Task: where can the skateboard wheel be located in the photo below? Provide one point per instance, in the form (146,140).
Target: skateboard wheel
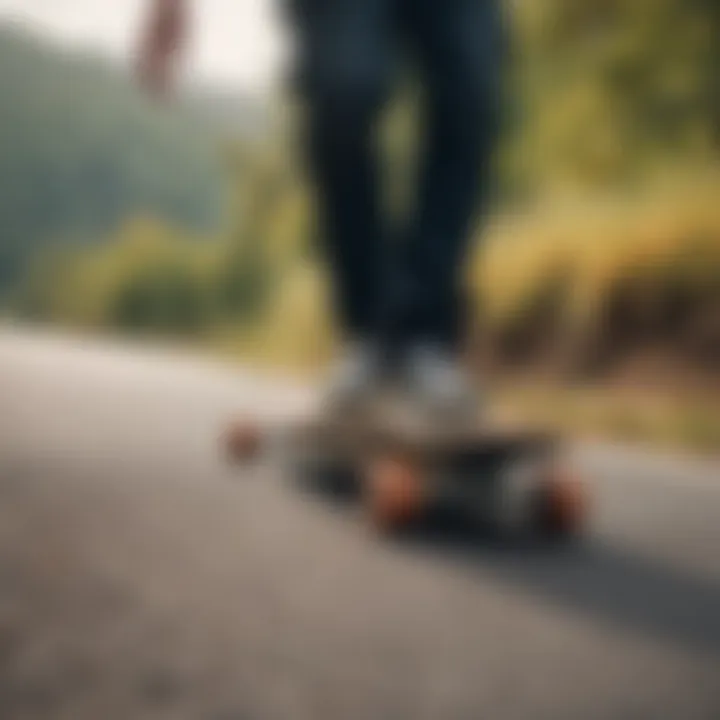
(394,494)
(243,441)
(563,505)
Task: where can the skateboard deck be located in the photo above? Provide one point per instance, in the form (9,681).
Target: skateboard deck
(508,476)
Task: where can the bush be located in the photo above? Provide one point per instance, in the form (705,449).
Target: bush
(601,279)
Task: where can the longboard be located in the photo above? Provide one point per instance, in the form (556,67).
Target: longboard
(509,477)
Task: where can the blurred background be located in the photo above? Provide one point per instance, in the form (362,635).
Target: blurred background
(595,282)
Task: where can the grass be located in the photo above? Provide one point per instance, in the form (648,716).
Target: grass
(562,267)
(649,418)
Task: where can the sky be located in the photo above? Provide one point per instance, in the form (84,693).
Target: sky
(235,42)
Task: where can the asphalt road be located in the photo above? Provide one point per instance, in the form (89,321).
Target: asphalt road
(141,577)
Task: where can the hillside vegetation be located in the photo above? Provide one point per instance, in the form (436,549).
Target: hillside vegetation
(80,151)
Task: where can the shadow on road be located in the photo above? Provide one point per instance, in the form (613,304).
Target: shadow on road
(590,577)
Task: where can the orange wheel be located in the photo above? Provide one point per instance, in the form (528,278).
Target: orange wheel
(243,441)
(564,505)
(394,494)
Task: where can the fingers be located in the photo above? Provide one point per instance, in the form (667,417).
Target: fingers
(160,46)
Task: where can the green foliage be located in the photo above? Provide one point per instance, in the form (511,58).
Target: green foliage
(610,89)
(80,151)
(606,278)
(151,277)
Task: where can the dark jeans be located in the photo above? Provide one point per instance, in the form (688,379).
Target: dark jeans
(350,51)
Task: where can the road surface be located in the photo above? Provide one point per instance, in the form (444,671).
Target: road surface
(140,577)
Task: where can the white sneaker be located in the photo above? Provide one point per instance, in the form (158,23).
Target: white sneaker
(355,378)
(438,383)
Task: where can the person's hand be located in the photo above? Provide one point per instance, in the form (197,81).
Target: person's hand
(160,45)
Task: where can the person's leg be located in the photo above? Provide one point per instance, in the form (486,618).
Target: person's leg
(346,59)
(460,44)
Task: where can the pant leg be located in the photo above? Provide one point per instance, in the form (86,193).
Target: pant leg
(346,57)
(460,44)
